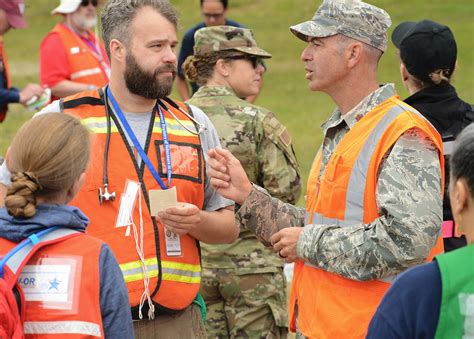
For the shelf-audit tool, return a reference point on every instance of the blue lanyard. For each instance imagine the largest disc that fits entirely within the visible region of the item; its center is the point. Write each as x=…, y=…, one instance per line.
x=138, y=147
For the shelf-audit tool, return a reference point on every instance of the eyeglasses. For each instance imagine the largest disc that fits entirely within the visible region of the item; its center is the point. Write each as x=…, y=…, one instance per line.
x=255, y=60
x=214, y=16
x=86, y=3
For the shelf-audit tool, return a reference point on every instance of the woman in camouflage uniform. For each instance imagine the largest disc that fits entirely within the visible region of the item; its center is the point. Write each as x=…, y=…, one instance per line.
x=243, y=283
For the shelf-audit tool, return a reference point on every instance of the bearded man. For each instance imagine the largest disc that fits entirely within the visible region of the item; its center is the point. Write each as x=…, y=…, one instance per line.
x=72, y=58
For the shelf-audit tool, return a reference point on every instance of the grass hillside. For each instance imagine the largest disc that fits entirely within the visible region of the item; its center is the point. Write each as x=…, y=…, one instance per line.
x=285, y=90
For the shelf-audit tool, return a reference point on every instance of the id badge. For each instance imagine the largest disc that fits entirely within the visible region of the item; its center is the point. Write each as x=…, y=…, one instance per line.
x=173, y=244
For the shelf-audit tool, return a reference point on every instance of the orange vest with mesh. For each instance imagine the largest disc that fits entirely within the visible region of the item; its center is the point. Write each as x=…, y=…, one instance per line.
x=329, y=305
x=85, y=66
x=174, y=280
x=77, y=312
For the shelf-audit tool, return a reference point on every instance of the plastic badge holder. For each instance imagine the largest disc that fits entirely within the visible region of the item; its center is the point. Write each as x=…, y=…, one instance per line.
x=36, y=103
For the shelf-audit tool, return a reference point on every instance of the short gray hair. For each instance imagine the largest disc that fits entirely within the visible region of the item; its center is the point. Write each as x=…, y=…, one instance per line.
x=118, y=14
x=462, y=159
x=373, y=54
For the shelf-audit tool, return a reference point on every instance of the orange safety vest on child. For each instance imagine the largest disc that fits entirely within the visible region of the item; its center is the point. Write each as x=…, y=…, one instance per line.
x=173, y=280
x=328, y=305
x=4, y=72
x=61, y=284
x=86, y=66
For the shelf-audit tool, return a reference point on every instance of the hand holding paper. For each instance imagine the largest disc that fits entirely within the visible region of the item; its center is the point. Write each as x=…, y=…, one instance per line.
x=182, y=219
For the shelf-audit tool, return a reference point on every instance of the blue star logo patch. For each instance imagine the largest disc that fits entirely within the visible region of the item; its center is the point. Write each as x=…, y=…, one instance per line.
x=54, y=284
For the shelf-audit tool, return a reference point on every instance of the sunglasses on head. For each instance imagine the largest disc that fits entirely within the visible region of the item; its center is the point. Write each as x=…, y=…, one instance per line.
x=86, y=3
x=255, y=60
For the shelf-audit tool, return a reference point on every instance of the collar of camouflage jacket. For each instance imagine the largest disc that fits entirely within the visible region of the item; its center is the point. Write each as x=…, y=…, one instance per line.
x=207, y=91
x=361, y=109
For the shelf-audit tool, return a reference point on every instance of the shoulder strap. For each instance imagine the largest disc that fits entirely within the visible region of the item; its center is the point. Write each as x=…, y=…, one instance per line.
x=21, y=253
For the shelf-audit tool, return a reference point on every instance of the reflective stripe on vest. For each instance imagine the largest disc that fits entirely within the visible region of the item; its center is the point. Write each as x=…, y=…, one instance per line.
x=62, y=327
x=172, y=271
x=85, y=73
x=357, y=182
x=99, y=126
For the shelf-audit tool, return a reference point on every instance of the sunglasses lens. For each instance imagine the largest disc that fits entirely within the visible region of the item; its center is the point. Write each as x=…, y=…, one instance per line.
x=86, y=3
x=256, y=61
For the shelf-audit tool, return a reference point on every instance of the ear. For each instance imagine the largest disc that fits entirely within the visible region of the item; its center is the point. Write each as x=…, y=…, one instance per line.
x=459, y=196
x=222, y=68
x=354, y=53
x=403, y=72
x=117, y=50
x=76, y=187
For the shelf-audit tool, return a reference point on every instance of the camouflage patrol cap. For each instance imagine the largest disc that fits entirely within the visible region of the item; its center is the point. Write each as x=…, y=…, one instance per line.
x=353, y=18
x=224, y=38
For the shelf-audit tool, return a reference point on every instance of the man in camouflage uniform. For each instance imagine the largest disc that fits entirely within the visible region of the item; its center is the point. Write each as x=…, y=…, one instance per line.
x=408, y=187
x=243, y=283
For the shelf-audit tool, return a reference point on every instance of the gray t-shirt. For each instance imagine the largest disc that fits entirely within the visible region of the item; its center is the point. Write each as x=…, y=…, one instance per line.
x=139, y=122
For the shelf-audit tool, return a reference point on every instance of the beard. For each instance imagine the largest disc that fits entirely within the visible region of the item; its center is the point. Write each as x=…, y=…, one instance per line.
x=84, y=23
x=148, y=84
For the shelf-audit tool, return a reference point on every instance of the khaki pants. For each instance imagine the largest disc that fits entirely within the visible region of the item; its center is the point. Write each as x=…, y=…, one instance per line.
x=186, y=324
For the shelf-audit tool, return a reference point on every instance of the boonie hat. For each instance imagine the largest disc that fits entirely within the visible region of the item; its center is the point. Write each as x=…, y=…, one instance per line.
x=223, y=38
x=66, y=7
x=425, y=46
x=353, y=18
x=14, y=10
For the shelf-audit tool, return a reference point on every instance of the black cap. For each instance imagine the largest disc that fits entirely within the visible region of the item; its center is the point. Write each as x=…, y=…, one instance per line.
x=425, y=46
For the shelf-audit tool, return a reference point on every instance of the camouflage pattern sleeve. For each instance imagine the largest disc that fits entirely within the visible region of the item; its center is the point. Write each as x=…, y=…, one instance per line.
x=409, y=200
x=278, y=170
x=264, y=215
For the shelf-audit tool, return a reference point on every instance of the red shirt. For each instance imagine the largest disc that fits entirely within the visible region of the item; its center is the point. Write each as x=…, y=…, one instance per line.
x=54, y=65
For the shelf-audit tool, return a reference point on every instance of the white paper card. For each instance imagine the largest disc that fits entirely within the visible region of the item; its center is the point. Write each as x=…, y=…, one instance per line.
x=127, y=203
x=162, y=199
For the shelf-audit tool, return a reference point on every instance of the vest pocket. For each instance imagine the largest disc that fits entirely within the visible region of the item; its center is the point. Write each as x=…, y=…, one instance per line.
x=185, y=158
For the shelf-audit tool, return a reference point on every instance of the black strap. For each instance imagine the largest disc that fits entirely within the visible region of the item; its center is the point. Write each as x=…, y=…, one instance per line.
x=82, y=101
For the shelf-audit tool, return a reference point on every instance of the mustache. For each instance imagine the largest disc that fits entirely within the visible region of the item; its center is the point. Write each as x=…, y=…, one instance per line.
x=166, y=68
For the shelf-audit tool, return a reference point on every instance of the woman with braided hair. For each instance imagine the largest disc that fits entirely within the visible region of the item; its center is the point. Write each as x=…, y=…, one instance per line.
x=73, y=287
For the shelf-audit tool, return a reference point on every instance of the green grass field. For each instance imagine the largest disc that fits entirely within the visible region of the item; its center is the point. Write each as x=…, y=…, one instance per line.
x=285, y=90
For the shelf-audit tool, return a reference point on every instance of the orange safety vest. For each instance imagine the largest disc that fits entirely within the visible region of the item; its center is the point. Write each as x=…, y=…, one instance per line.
x=5, y=73
x=174, y=280
x=85, y=66
x=61, y=285
x=329, y=305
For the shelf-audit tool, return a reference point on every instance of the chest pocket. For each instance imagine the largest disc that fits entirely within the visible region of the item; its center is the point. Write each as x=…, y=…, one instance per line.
x=186, y=160
x=333, y=187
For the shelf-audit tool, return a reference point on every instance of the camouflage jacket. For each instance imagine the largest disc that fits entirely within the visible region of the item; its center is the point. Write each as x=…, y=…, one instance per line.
x=409, y=201
x=263, y=146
